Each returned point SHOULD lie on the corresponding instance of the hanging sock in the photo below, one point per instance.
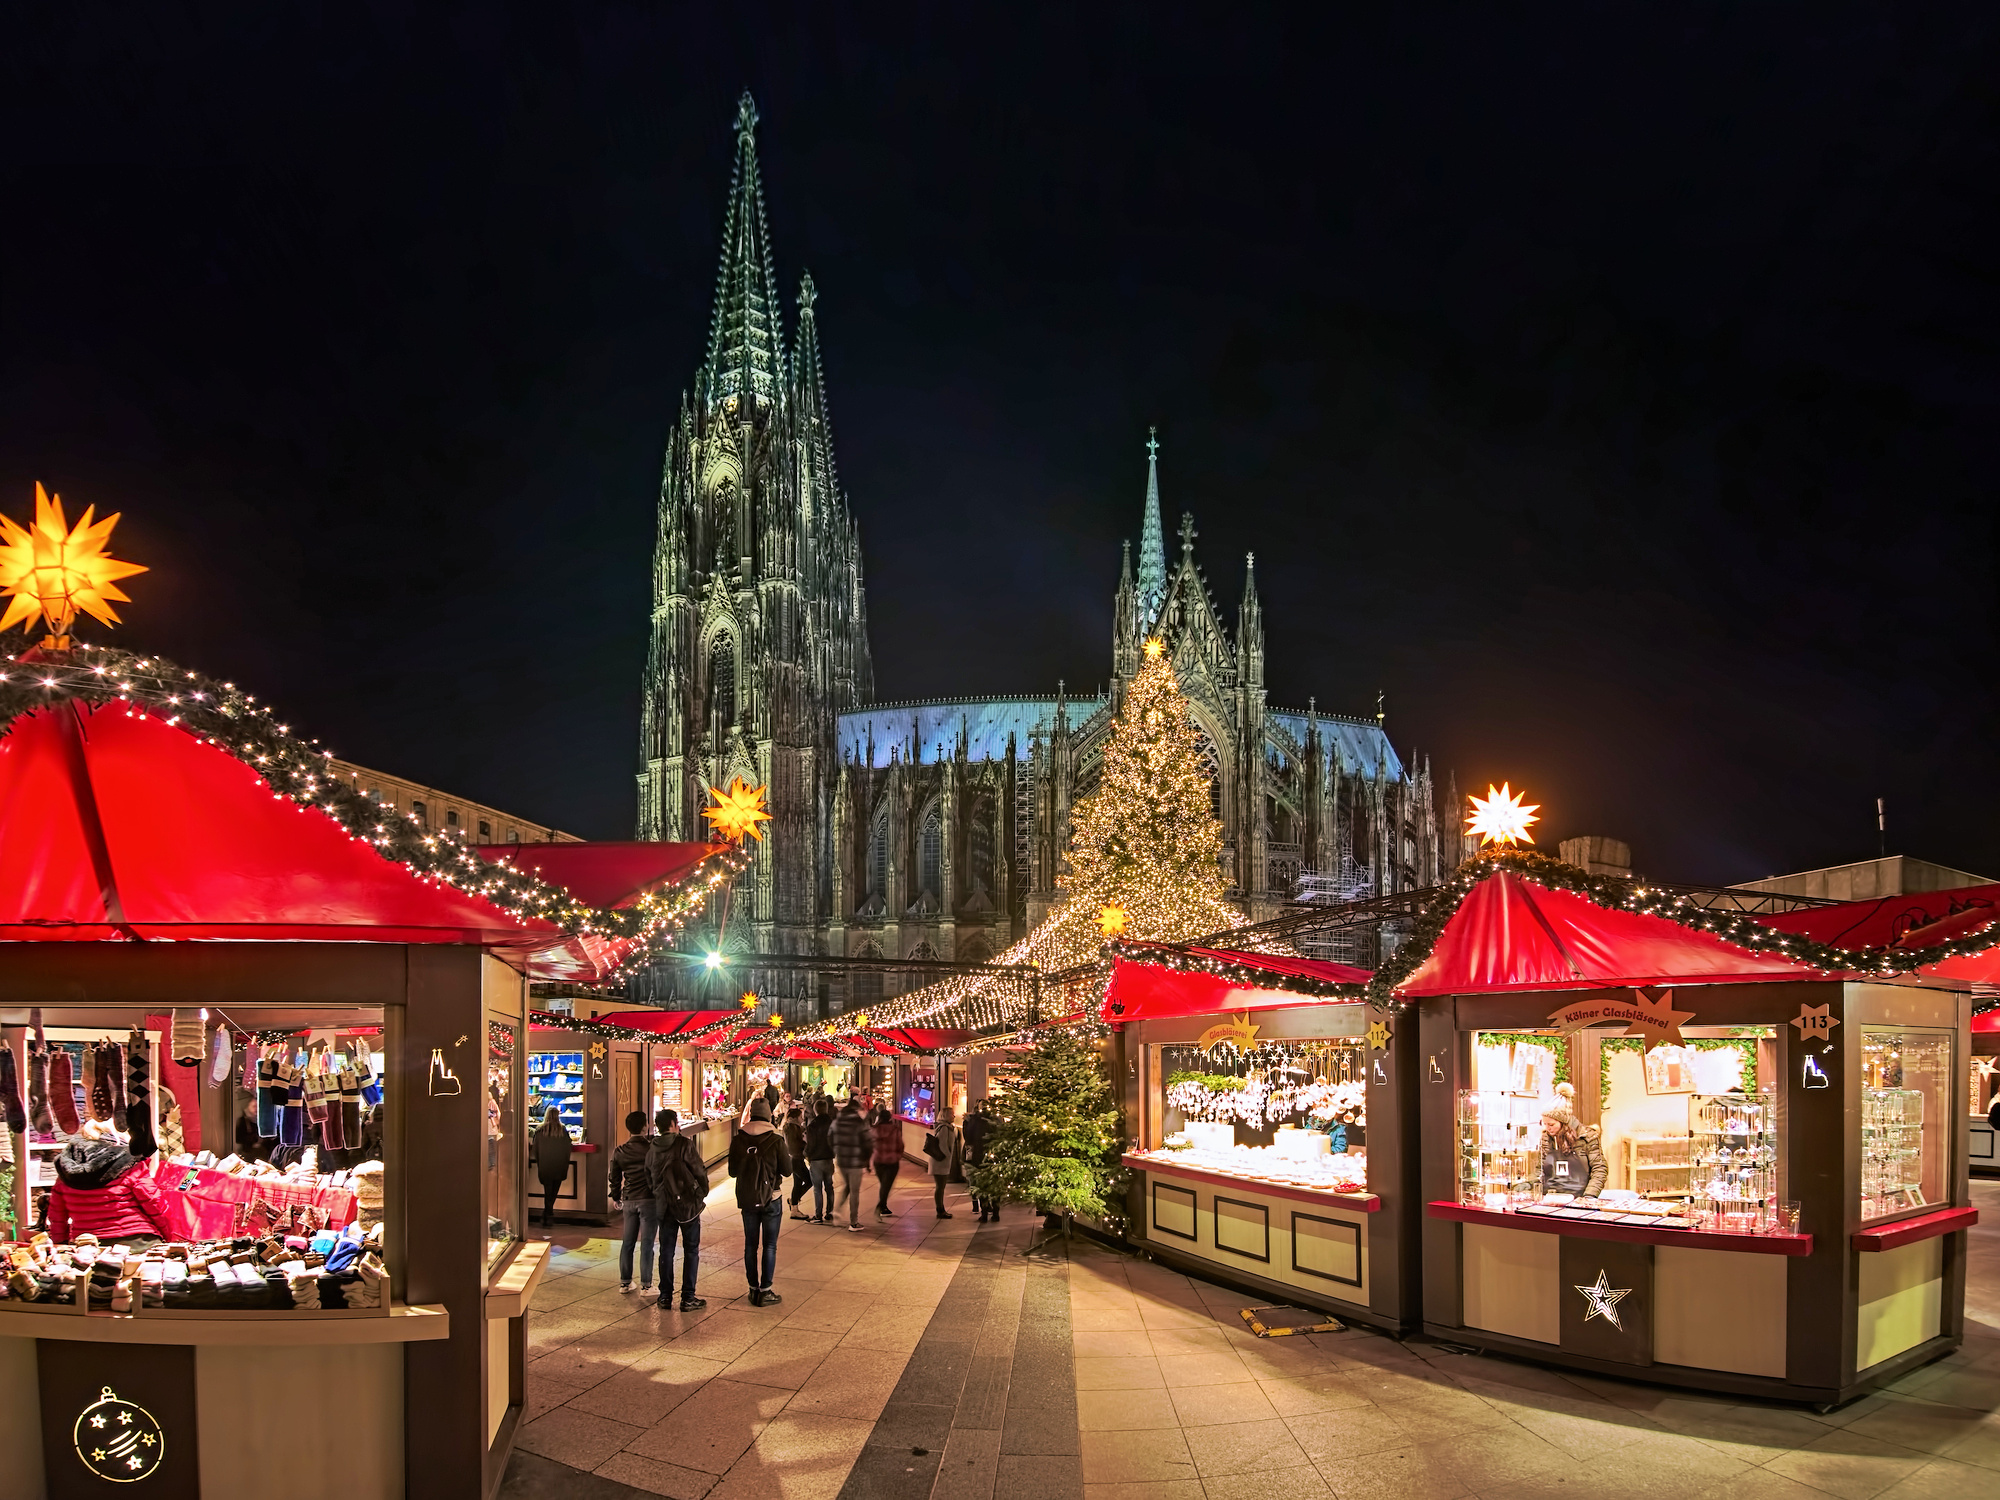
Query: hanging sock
(270, 1098)
(10, 1092)
(218, 1071)
(332, 1132)
(186, 1038)
(371, 1086)
(96, 1084)
(350, 1109)
(173, 1140)
(111, 1066)
(315, 1093)
(62, 1092)
(292, 1121)
(139, 1095)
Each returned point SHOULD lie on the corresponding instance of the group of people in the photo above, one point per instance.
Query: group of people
(661, 1184)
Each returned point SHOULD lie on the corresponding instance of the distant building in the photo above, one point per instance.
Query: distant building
(1895, 875)
(442, 812)
(1599, 855)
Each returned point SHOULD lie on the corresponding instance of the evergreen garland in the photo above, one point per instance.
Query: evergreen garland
(224, 716)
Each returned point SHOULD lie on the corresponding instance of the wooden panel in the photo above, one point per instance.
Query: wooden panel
(1606, 1299)
(1980, 1152)
(1902, 1301)
(1173, 1211)
(625, 1087)
(1713, 1310)
(250, 1414)
(1326, 1247)
(1511, 1282)
(21, 1414)
(1243, 1228)
(158, 1378)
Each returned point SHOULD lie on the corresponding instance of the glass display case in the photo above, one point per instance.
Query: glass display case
(1905, 1093)
(555, 1079)
(1733, 1156)
(1292, 1112)
(504, 1204)
(669, 1091)
(715, 1103)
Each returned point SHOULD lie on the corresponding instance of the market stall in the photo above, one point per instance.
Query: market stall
(1267, 1123)
(691, 1069)
(184, 895)
(1663, 1137)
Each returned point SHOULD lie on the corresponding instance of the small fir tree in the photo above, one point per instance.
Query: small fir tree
(1059, 1136)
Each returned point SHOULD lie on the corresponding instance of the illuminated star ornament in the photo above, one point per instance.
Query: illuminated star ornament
(749, 1000)
(1154, 647)
(51, 572)
(1111, 921)
(737, 812)
(1499, 817)
(1604, 1298)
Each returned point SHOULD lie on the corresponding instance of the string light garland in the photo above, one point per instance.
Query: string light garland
(549, 1020)
(1249, 976)
(222, 715)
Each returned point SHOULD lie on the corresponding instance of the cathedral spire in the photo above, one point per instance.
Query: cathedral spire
(1152, 544)
(809, 383)
(746, 340)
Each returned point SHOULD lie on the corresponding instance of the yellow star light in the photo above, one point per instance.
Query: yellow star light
(1111, 921)
(1154, 647)
(749, 1000)
(1499, 817)
(777, 1021)
(51, 571)
(737, 812)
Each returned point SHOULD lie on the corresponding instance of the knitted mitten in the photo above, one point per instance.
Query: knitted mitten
(186, 1039)
(10, 1092)
(62, 1092)
(139, 1095)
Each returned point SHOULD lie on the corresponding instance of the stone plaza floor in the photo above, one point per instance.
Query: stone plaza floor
(926, 1359)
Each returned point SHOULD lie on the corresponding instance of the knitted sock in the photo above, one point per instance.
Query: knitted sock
(173, 1140)
(96, 1084)
(270, 1098)
(114, 1055)
(185, 1038)
(39, 1115)
(292, 1122)
(350, 1110)
(139, 1096)
(87, 1076)
(10, 1092)
(62, 1092)
(218, 1072)
(316, 1097)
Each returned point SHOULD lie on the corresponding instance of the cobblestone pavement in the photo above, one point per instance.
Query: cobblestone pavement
(931, 1360)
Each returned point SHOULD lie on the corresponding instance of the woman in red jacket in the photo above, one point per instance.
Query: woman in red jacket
(100, 1190)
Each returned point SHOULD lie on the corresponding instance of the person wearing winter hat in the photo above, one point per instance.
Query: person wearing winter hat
(100, 1190)
(1572, 1159)
(760, 1164)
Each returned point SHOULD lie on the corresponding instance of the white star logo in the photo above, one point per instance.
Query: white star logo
(97, 1421)
(1604, 1299)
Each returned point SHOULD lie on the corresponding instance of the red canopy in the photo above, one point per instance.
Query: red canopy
(604, 874)
(1917, 920)
(1143, 991)
(121, 827)
(670, 1023)
(1510, 933)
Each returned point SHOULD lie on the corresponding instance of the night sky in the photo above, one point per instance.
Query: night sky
(1611, 386)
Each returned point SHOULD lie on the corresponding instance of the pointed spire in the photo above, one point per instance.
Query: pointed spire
(746, 339)
(1152, 543)
(809, 380)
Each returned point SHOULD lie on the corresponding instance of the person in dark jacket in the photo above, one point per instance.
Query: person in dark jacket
(100, 1190)
(977, 1130)
(680, 1192)
(552, 1151)
(632, 1191)
(759, 1163)
(944, 1154)
(795, 1142)
(853, 1148)
(819, 1157)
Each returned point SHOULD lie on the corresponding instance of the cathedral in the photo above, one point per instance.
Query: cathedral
(935, 829)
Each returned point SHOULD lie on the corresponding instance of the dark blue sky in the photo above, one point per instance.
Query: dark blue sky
(1613, 386)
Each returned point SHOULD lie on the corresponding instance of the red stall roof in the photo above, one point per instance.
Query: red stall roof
(122, 827)
(1510, 933)
(1144, 990)
(669, 1023)
(611, 873)
(1919, 920)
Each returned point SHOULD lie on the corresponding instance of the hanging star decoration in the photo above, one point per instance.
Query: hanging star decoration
(749, 1000)
(1499, 817)
(777, 1021)
(1154, 646)
(1378, 1036)
(50, 571)
(1604, 1298)
(737, 812)
(1111, 921)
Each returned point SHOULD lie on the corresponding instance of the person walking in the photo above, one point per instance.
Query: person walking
(819, 1157)
(680, 1192)
(552, 1151)
(888, 1132)
(853, 1148)
(771, 1096)
(632, 1192)
(759, 1163)
(942, 1149)
(978, 1129)
(795, 1142)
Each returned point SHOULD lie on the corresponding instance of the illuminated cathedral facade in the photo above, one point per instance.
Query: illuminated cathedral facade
(935, 829)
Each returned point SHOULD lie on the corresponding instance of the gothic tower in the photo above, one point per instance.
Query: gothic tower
(759, 625)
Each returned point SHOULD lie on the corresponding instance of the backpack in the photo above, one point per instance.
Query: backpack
(763, 1177)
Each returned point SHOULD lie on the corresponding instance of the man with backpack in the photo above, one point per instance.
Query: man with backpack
(853, 1147)
(680, 1192)
(760, 1164)
(632, 1190)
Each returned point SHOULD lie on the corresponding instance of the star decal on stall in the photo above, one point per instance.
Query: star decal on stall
(1604, 1298)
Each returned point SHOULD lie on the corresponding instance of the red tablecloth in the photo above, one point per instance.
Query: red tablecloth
(204, 1204)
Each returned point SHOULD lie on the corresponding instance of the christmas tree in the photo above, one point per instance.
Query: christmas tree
(1144, 859)
(1058, 1138)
